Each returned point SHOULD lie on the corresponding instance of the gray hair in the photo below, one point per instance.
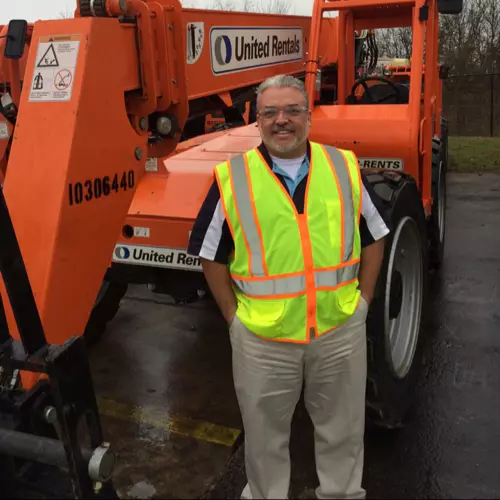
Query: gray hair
(282, 81)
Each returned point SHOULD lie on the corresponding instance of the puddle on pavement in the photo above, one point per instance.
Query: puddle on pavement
(143, 490)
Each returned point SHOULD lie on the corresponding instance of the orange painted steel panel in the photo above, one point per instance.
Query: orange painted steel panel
(205, 76)
(176, 237)
(189, 172)
(62, 151)
(157, 204)
(365, 129)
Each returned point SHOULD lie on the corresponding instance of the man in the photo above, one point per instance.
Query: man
(291, 244)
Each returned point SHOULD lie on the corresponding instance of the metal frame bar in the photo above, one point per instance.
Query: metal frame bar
(69, 389)
(18, 285)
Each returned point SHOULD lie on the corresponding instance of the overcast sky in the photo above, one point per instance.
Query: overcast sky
(32, 10)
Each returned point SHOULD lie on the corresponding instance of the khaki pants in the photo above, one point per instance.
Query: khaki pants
(268, 379)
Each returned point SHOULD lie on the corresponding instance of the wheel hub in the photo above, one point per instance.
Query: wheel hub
(396, 295)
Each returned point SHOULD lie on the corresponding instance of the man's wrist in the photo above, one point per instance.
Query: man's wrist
(367, 296)
(230, 314)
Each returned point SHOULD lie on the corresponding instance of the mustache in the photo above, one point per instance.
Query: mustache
(278, 128)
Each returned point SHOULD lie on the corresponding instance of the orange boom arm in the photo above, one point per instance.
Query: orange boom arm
(91, 92)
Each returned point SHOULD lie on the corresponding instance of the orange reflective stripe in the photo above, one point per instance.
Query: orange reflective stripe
(308, 256)
(340, 166)
(308, 185)
(309, 265)
(339, 189)
(223, 203)
(263, 278)
(238, 177)
(333, 288)
(275, 297)
(358, 171)
(332, 268)
(257, 223)
(360, 183)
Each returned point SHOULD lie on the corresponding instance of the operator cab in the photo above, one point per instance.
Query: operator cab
(386, 91)
(377, 89)
(385, 119)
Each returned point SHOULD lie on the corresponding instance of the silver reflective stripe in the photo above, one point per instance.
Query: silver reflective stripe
(336, 276)
(297, 284)
(248, 222)
(342, 170)
(272, 286)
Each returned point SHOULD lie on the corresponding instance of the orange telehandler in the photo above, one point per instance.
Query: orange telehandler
(230, 93)
(399, 133)
(109, 89)
(150, 249)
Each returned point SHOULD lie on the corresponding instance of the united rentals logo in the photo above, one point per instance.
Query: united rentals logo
(223, 50)
(384, 163)
(240, 49)
(170, 258)
(122, 253)
(195, 41)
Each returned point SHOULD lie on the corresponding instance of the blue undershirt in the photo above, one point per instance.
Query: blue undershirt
(293, 183)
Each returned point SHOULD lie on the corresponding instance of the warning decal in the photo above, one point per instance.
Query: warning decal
(63, 79)
(49, 59)
(55, 66)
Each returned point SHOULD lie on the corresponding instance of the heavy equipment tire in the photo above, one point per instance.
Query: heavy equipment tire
(437, 220)
(105, 308)
(394, 320)
(444, 141)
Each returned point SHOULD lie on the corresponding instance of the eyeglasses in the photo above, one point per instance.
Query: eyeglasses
(291, 111)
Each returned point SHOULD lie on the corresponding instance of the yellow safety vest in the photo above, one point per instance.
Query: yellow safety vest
(294, 275)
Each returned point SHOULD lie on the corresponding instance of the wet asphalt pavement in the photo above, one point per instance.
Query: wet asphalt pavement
(163, 378)
(450, 447)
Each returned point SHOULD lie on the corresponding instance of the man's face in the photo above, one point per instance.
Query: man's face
(283, 121)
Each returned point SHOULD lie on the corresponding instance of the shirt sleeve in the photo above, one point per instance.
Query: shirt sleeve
(374, 222)
(210, 237)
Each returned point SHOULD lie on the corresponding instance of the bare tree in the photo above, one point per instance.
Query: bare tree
(66, 13)
(259, 6)
(268, 6)
(492, 35)
(394, 42)
(462, 39)
(221, 5)
(468, 42)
